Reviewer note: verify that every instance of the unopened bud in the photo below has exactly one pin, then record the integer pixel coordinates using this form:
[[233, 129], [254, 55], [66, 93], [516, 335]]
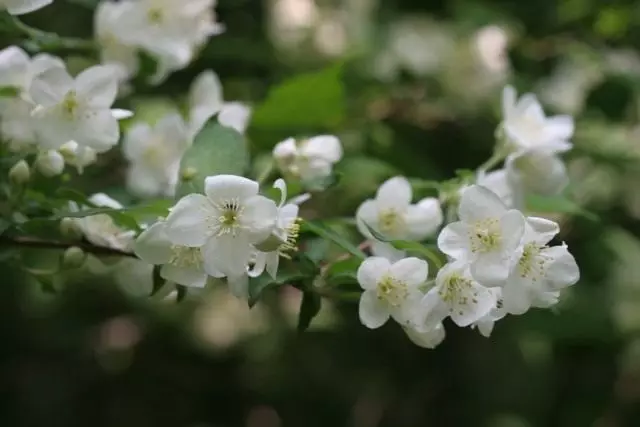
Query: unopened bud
[[50, 163], [189, 173], [69, 228], [74, 257], [19, 173]]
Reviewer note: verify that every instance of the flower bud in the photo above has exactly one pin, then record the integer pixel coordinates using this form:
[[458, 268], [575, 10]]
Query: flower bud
[[189, 173], [69, 228], [74, 257], [19, 173], [50, 163]]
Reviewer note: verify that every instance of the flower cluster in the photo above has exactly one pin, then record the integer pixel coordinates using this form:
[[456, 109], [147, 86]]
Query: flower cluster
[[61, 118], [170, 31]]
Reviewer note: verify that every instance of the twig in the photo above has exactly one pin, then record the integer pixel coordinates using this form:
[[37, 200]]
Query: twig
[[30, 242]]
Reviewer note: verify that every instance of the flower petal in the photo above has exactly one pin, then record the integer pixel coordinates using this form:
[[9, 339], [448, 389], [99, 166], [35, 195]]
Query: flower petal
[[473, 305], [97, 86], [325, 147], [511, 230], [372, 312], [367, 215], [454, 240], [560, 127], [187, 222], [509, 97], [394, 193], [423, 219], [563, 270], [49, 87], [427, 339], [227, 254], [539, 230], [120, 114], [20, 7], [516, 299], [14, 67], [478, 203], [185, 276], [235, 115], [222, 188], [491, 269], [239, 285], [259, 218], [97, 129], [153, 245], [371, 271], [412, 271]]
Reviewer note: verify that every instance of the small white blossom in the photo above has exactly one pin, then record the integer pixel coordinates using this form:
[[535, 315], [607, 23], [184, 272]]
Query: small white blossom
[[308, 159], [77, 156], [486, 236], [19, 173], [101, 230], [540, 271], [391, 213], [456, 295], [180, 264], [20, 7], [77, 109], [528, 129], [283, 237], [390, 290], [206, 100], [17, 71], [171, 31], [50, 163], [154, 154], [225, 223], [535, 172], [428, 338]]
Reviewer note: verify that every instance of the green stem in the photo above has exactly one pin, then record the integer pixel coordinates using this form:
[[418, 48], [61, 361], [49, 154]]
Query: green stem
[[51, 41], [29, 242]]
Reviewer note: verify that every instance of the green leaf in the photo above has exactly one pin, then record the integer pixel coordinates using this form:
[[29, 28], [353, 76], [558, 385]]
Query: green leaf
[[557, 204], [343, 272], [259, 284], [309, 308], [216, 150], [311, 100], [9, 91], [4, 226], [330, 235]]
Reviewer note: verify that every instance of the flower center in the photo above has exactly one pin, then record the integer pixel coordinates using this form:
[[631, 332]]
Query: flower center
[[485, 236], [532, 263], [390, 221], [293, 231], [155, 15], [456, 290], [70, 104], [185, 257], [230, 214], [392, 290]]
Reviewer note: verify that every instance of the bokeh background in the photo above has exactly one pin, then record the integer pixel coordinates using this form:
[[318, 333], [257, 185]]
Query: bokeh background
[[411, 87]]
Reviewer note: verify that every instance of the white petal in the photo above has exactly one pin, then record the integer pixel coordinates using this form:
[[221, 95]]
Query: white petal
[[285, 149], [516, 299], [186, 276], [187, 222], [540, 230], [424, 218], [563, 270], [103, 200], [412, 271], [239, 286], [511, 230], [221, 188], [259, 218], [491, 269], [120, 114], [371, 271], [509, 96], [281, 185], [426, 339], [44, 61], [97, 129], [434, 310], [136, 141], [144, 183], [206, 90], [454, 240], [235, 115], [174, 132], [325, 147], [480, 301], [19, 7], [14, 67], [560, 127], [478, 203], [537, 172], [98, 86], [273, 260], [50, 86], [367, 215], [386, 250], [227, 254], [373, 313], [394, 193], [153, 246]]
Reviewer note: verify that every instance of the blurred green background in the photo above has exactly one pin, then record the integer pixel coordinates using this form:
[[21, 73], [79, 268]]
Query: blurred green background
[[411, 87]]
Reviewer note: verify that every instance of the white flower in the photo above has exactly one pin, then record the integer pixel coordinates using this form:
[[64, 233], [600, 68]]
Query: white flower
[[392, 214], [50, 163], [76, 109], [390, 290], [205, 101], [535, 172], [225, 223], [283, 237], [486, 236], [123, 58], [180, 264], [308, 159], [456, 295], [17, 71], [429, 338], [154, 154], [540, 271], [101, 230], [527, 128], [170, 30], [77, 155], [19, 7]]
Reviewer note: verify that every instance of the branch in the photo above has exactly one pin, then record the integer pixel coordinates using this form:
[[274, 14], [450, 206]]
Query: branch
[[30, 242]]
